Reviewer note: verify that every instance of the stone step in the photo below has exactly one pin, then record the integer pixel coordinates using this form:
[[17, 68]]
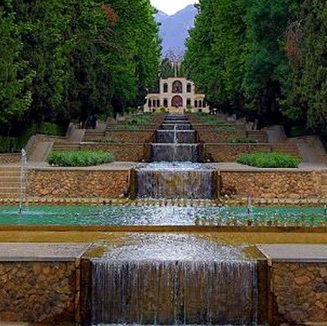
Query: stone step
[[10, 190], [9, 169], [15, 178], [6, 184], [9, 174]]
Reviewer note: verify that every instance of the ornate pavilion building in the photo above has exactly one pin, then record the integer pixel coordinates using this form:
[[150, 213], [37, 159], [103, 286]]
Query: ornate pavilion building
[[176, 94]]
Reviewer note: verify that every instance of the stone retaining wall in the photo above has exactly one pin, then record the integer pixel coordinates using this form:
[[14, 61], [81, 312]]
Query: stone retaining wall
[[127, 152], [37, 291], [131, 136], [65, 183], [86, 183], [299, 293], [280, 184]]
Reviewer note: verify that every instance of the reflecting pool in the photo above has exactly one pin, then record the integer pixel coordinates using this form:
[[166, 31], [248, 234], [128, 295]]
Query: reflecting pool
[[168, 214]]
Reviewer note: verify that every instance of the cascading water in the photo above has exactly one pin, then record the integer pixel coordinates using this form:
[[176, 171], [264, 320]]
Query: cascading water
[[173, 173], [179, 180], [175, 153], [167, 279], [176, 143], [174, 280]]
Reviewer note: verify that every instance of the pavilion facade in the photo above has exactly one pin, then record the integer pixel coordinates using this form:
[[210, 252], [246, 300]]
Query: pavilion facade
[[176, 94]]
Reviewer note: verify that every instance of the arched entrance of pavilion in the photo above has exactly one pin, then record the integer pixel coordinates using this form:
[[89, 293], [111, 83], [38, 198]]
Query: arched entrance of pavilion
[[177, 101]]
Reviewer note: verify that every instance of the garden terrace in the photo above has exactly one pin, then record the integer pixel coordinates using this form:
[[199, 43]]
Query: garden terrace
[[228, 152]]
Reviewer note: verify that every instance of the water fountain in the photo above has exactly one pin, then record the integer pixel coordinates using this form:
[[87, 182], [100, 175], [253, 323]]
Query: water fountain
[[174, 172], [175, 141], [163, 279], [174, 280], [23, 181]]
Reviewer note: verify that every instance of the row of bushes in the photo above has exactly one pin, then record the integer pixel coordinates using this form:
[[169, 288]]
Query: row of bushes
[[15, 144], [79, 158], [269, 160]]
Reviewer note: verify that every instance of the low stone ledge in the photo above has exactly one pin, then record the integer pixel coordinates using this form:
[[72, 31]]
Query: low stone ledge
[[39, 282], [295, 252], [41, 251], [298, 283]]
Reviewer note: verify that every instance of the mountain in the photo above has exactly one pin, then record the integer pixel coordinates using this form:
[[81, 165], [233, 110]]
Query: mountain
[[174, 30]]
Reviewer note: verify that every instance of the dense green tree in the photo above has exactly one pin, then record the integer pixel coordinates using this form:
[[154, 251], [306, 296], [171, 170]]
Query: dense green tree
[[267, 66], [236, 54], [307, 50], [15, 79], [216, 50], [69, 59]]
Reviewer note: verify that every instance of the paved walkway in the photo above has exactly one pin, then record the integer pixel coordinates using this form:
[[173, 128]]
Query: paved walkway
[[69, 252], [41, 251], [219, 166], [295, 252]]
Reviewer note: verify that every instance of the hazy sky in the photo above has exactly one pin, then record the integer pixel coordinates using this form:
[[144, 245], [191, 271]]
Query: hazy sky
[[171, 6]]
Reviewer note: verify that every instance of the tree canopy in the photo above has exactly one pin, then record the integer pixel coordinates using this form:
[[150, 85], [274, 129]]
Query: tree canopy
[[68, 59], [263, 59]]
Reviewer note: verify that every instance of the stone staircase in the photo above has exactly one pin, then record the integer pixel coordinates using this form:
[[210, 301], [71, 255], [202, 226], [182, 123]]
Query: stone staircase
[[10, 182]]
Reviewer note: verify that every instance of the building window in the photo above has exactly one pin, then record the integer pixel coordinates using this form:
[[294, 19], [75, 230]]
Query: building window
[[188, 88], [165, 88], [177, 87], [165, 103], [158, 103], [200, 104], [188, 102], [196, 103], [149, 103]]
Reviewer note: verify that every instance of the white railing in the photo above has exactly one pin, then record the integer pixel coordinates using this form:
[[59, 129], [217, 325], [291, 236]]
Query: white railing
[[23, 180]]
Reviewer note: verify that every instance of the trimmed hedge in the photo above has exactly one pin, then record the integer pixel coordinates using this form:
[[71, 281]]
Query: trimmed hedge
[[241, 140], [79, 158], [269, 160], [210, 119]]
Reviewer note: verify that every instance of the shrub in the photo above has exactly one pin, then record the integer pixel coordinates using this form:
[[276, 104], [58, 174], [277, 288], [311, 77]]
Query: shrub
[[79, 158], [15, 144], [210, 119], [225, 128], [241, 140], [269, 160], [140, 120], [111, 140], [126, 127]]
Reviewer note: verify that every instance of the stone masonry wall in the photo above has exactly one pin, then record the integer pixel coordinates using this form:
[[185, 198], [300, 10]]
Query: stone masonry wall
[[77, 183], [299, 293], [272, 184], [86, 183], [131, 136], [122, 152], [37, 291]]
